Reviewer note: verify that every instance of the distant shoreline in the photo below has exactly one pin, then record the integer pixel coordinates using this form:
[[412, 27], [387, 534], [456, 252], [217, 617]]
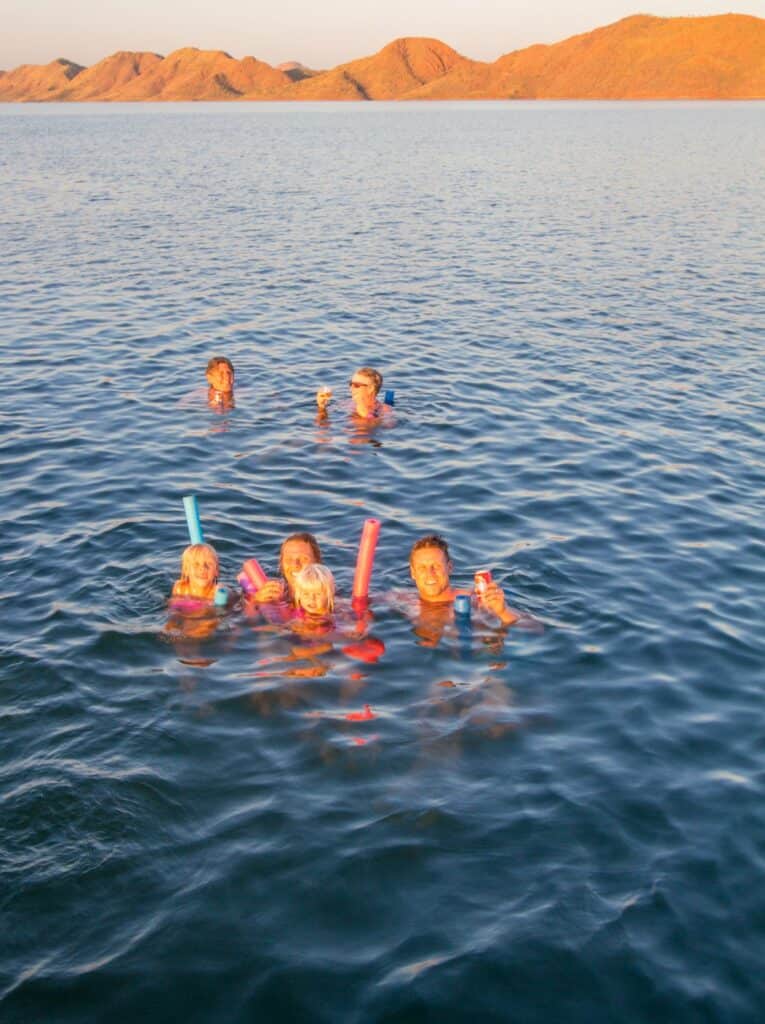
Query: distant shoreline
[[642, 57], [419, 102]]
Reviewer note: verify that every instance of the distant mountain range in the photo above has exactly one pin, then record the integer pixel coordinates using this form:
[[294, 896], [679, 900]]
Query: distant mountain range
[[641, 57]]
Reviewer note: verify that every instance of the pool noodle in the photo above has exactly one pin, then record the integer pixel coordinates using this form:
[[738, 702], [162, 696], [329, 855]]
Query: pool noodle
[[252, 577], [388, 398], [193, 521], [187, 605], [365, 559]]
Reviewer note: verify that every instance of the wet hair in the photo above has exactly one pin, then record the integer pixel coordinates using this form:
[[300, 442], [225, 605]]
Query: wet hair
[[307, 538], [216, 361], [433, 540], [373, 375], [188, 555], [316, 575]]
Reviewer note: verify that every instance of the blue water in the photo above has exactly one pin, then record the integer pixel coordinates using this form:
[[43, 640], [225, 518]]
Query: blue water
[[557, 826]]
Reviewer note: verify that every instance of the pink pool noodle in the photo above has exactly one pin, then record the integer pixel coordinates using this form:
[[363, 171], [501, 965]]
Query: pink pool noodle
[[189, 605], [252, 577], [365, 559]]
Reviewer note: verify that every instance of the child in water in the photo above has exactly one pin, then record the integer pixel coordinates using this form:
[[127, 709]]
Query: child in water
[[314, 592], [199, 573]]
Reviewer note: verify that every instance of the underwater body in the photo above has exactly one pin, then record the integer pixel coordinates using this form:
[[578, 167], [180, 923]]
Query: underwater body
[[217, 819]]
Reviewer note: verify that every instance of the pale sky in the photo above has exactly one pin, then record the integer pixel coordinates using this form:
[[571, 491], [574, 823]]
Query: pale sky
[[320, 35]]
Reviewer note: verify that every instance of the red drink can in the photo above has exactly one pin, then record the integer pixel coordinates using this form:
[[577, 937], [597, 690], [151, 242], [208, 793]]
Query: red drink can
[[482, 581]]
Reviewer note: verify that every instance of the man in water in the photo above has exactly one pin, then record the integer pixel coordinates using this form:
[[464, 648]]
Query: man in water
[[364, 387], [430, 567], [220, 383]]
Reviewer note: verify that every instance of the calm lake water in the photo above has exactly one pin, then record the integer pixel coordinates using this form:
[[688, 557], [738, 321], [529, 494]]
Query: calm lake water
[[566, 826]]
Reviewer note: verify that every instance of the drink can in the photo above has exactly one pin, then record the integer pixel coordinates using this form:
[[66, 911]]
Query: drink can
[[482, 581]]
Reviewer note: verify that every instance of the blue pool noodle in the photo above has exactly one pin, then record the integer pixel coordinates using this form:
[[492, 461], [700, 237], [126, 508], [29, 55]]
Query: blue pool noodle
[[388, 399], [192, 519]]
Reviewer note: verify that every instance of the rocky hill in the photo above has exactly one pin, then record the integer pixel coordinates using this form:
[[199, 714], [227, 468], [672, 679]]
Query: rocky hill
[[641, 57]]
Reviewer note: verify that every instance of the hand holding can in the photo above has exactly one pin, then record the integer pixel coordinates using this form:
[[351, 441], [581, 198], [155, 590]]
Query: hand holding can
[[482, 581]]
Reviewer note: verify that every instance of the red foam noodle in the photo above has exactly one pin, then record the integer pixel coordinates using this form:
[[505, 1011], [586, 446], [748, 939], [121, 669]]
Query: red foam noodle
[[365, 559]]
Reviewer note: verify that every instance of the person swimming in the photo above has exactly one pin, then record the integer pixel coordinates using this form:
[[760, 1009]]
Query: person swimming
[[200, 568], [430, 567], [297, 551], [220, 383], [365, 386], [314, 593]]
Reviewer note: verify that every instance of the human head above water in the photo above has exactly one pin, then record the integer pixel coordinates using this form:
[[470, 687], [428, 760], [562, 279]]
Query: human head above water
[[430, 566], [200, 566], [297, 551], [314, 589], [367, 375], [432, 540], [220, 373]]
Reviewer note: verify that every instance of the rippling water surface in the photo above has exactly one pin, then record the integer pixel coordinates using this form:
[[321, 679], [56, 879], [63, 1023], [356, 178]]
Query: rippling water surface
[[556, 826]]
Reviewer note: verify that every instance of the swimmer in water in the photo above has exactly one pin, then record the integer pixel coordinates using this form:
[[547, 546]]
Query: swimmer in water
[[430, 567], [365, 386], [220, 383], [314, 594], [199, 573], [296, 552], [314, 590]]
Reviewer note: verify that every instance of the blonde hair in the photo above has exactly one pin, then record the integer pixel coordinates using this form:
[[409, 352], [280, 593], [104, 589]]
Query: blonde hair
[[191, 551], [314, 575]]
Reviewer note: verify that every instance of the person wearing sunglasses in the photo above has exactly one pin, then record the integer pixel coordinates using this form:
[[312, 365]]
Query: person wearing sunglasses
[[364, 386]]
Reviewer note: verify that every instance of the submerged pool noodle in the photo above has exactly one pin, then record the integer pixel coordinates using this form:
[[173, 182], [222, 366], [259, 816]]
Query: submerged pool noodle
[[365, 559], [186, 605], [193, 521]]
